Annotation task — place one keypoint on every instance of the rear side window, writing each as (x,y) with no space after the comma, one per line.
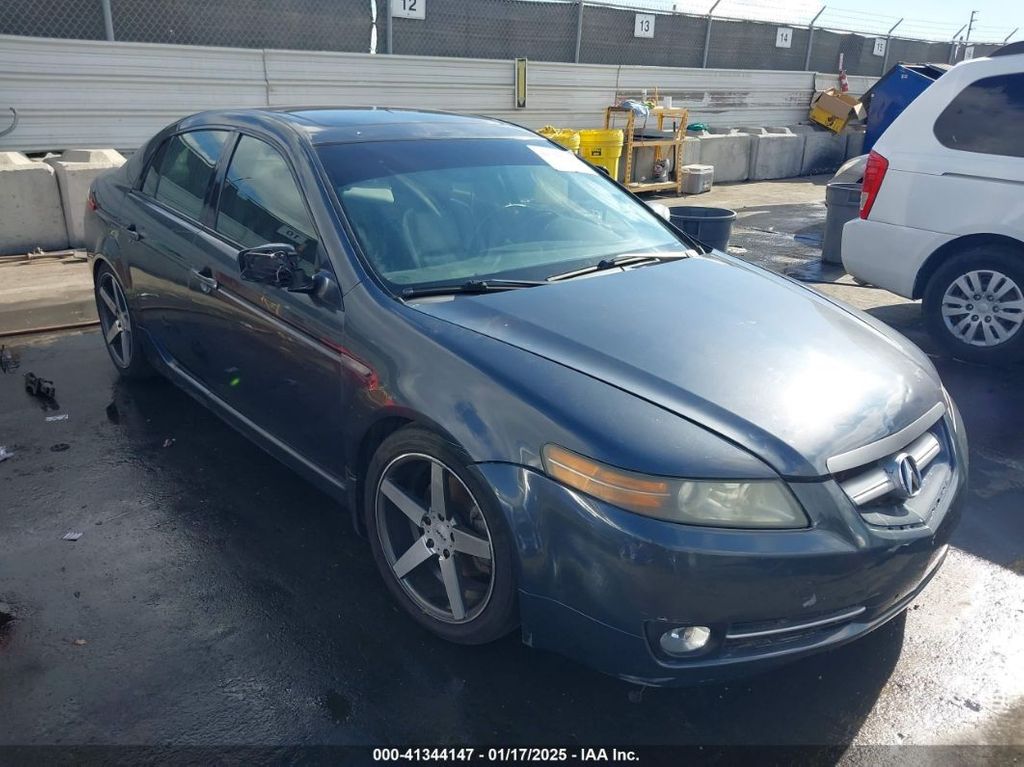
(260,202)
(986,117)
(182,171)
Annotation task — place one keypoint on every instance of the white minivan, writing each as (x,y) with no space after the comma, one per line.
(942,208)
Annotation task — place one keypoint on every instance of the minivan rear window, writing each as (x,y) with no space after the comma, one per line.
(985,117)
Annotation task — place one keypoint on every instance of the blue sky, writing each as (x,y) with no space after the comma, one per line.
(932,19)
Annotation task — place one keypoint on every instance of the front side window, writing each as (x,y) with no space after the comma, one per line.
(447,210)
(262,204)
(183,170)
(986,117)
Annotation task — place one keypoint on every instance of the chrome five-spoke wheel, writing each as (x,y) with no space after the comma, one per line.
(435,538)
(983,307)
(115,320)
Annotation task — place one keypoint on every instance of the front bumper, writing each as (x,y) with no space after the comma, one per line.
(597,583)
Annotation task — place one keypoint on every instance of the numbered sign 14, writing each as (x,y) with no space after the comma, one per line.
(409,9)
(643,26)
(879,49)
(784,37)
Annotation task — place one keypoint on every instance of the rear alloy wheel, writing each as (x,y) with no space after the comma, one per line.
(974,305)
(119,333)
(439,539)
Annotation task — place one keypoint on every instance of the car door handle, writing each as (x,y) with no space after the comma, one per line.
(204,278)
(133,233)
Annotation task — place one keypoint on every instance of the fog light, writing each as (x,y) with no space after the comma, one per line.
(685,639)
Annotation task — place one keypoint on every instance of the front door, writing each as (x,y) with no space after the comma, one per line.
(270,355)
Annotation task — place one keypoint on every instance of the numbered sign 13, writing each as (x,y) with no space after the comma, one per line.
(644,25)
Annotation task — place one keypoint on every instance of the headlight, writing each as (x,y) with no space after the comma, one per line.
(759,503)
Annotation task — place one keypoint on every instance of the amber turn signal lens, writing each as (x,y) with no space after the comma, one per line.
(622,488)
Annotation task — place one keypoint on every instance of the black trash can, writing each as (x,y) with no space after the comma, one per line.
(843,203)
(712,226)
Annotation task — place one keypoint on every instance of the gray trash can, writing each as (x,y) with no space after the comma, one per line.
(843,203)
(711,226)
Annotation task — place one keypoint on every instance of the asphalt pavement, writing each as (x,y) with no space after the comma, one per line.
(215,598)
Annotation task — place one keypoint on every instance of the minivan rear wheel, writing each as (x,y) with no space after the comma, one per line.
(974,305)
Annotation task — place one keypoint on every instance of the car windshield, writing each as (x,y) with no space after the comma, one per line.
(444,211)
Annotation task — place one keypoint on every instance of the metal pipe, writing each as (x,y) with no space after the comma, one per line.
(810,39)
(387,28)
(1007,38)
(888,40)
(108,19)
(707,35)
(579,29)
(952,45)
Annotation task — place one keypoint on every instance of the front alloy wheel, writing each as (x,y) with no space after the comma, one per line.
(439,539)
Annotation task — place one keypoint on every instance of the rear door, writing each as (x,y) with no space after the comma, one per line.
(161,225)
(270,355)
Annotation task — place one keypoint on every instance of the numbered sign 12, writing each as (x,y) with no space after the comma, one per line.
(643,26)
(784,37)
(409,9)
(879,49)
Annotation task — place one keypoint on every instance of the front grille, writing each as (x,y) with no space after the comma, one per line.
(877,490)
(767,636)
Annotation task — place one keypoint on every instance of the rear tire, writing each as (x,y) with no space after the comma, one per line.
(974,305)
(439,538)
(118,328)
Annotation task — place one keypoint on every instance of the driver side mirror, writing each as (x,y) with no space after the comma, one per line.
(659,209)
(275,264)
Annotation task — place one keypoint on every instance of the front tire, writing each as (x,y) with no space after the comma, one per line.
(439,539)
(120,333)
(974,305)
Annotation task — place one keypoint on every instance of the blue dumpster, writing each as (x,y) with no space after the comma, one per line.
(893,93)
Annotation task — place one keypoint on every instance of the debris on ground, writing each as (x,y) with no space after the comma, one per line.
(39,387)
(79,642)
(60,447)
(168,442)
(5,453)
(71,535)
(6,614)
(61,417)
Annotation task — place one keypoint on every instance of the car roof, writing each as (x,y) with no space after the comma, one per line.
(327,125)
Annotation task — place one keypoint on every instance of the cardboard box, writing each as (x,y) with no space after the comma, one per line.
(834,109)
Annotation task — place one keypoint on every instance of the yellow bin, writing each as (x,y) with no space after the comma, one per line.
(570,139)
(602,147)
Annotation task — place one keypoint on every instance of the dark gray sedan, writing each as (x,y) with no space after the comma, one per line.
(544,406)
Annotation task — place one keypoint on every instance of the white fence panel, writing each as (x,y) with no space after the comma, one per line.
(75,93)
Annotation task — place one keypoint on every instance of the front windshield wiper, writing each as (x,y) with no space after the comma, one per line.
(625,259)
(471,286)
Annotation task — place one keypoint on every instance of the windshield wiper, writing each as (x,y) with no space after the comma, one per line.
(471,286)
(626,259)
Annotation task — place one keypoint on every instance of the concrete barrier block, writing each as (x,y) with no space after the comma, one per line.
(728,152)
(854,143)
(824,152)
(30,209)
(775,154)
(75,170)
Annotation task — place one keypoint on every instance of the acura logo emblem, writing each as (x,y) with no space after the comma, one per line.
(906,476)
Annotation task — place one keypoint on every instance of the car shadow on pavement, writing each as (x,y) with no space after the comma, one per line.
(217,597)
(285,569)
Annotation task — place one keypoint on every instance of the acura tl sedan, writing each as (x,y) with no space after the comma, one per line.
(544,406)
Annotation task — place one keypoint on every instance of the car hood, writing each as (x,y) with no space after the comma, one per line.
(758,359)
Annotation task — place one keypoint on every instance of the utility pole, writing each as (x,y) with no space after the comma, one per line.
(970,26)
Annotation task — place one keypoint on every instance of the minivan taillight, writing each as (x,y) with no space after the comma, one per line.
(873,175)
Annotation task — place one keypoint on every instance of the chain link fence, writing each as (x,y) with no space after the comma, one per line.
(540,30)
